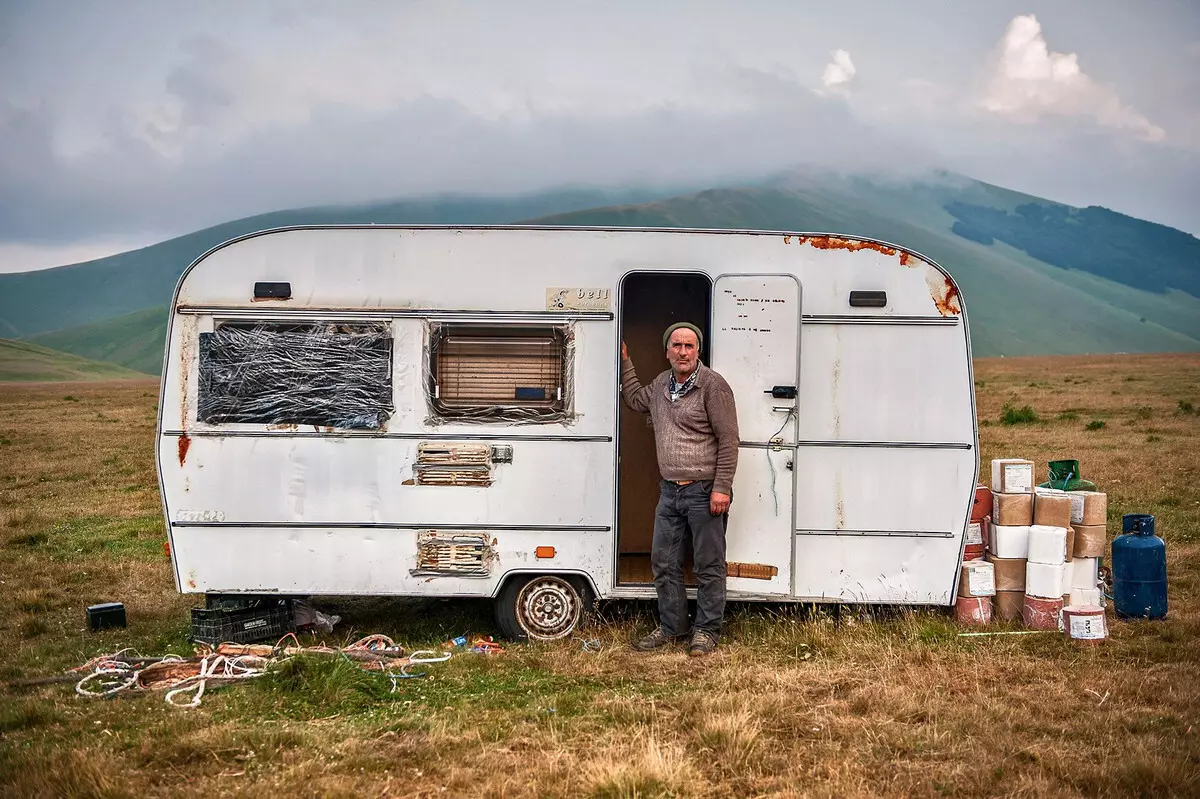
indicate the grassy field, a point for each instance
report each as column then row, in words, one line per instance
column 21, row 361
column 796, row 701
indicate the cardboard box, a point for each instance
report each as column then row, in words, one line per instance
column 1009, row 573
column 1052, row 510
column 1009, row 541
column 1048, row 544
column 1046, row 580
column 1012, row 509
column 1012, row 476
column 1087, row 596
column 1090, row 540
column 1006, row 605
column 1089, row 507
column 978, row 578
column 1085, row 572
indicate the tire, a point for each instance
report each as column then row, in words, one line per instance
column 542, row 607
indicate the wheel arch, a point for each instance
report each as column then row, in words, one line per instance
column 512, row 574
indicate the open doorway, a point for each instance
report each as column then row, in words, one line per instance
column 650, row 302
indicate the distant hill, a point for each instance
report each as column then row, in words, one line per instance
column 1017, row 304
column 133, row 340
column 21, row 361
column 1023, row 295
column 1093, row 239
column 69, row 296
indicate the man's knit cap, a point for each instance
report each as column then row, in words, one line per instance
column 688, row 326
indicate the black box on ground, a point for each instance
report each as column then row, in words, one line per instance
column 107, row 614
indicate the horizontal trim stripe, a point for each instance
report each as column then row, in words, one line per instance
column 887, row 444
column 861, row 444
column 366, row 434
column 857, row 319
column 881, row 533
column 271, row 312
column 533, row 528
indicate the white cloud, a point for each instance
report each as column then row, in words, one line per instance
column 1030, row 81
column 838, row 73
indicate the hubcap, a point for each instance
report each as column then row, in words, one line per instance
column 548, row 608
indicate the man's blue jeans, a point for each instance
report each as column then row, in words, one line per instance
column 680, row 509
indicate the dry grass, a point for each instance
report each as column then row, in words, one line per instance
column 795, row 702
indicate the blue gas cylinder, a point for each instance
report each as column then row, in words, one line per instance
column 1139, row 569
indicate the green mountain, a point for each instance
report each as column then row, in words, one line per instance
column 133, row 340
column 21, row 361
column 1017, row 304
column 1037, row 277
column 68, row 296
column 1093, row 239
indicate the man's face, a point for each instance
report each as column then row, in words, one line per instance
column 683, row 351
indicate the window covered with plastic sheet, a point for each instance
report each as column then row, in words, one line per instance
column 329, row 374
column 500, row 373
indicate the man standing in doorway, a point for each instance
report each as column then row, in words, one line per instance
column 696, row 437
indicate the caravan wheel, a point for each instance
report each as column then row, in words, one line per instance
column 544, row 608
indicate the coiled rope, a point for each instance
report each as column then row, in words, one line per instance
column 186, row 680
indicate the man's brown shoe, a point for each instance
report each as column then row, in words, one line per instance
column 703, row 643
column 655, row 640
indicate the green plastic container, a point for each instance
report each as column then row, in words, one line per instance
column 1064, row 475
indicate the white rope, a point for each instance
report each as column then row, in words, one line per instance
column 242, row 667
column 111, row 674
column 102, row 675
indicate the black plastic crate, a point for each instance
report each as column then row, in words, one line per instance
column 268, row 621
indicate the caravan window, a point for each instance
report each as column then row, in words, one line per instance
column 325, row 373
column 498, row 371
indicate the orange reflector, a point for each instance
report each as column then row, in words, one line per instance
column 544, row 552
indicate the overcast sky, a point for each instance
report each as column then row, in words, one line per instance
column 123, row 123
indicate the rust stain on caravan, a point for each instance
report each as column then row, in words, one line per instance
column 853, row 245
column 187, row 335
column 944, row 293
column 836, row 243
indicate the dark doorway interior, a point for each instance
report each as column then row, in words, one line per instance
column 650, row 302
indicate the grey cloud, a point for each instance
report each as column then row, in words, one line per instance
column 279, row 107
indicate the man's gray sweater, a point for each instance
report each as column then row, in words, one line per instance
column 697, row 435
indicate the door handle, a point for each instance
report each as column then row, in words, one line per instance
column 781, row 392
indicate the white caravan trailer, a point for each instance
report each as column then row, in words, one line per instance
column 421, row 411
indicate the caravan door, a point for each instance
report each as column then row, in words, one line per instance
column 756, row 348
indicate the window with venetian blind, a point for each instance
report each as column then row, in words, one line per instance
column 481, row 369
